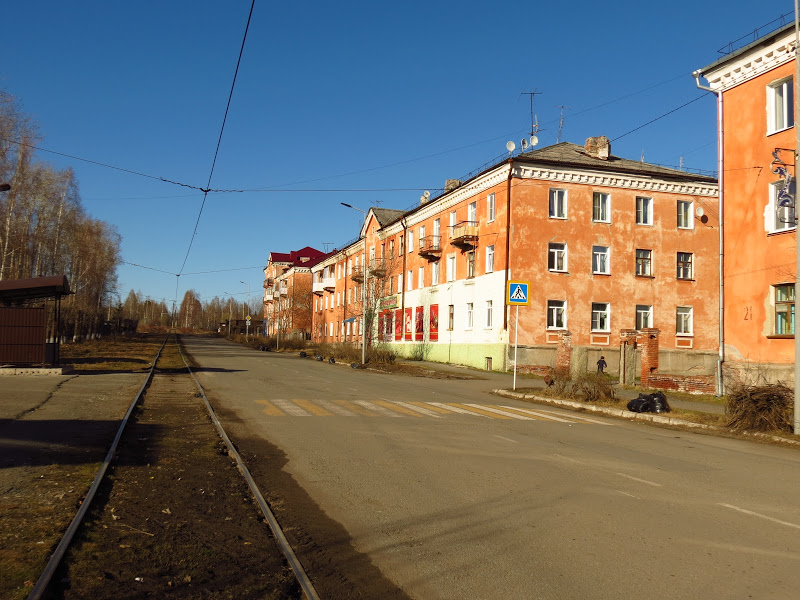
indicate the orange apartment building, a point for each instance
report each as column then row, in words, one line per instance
column 288, row 292
column 609, row 246
column 756, row 136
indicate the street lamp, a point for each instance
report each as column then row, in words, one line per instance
column 247, row 316
column 364, row 294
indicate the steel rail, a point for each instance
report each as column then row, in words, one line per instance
column 288, row 552
column 61, row 549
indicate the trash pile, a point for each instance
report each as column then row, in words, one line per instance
column 761, row 408
column 654, row 403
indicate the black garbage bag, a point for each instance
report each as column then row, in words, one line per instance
column 654, row 403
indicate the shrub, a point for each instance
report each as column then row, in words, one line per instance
column 761, row 408
column 593, row 387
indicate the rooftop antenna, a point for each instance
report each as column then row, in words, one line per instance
column 561, row 122
column 682, row 169
column 534, row 116
column 642, row 155
column 510, row 146
column 327, row 245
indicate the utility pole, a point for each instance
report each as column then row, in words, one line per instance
column 797, row 238
column 365, row 291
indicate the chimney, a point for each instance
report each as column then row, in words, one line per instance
column 598, row 147
column 451, row 184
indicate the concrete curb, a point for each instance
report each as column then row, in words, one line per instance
column 35, row 371
column 632, row 416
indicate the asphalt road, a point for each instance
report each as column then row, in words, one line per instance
column 452, row 500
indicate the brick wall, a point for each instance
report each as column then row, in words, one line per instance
column 681, row 383
column 648, row 343
column 564, row 351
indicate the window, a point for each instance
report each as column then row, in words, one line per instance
column 685, row 220
column 644, row 211
column 452, row 221
column 410, row 280
column 451, row 314
column 468, row 324
column 558, row 203
column 644, row 260
column 600, row 262
column 490, row 208
column 556, row 314
column 644, row 316
column 326, row 302
column 780, row 105
column 391, row 285
column 490, row 259
column 391, row 248
column 600, row 207
column 600, row 316
column 488, row 314
column 684, row 265
column 472, row 213
column 421, row 235
column 781, row 218
column 399, row 282
column 784, row 309
column 402, row 248
column 451, row 267
column 683, row 320
column 471, row 264
column 421, row 277
column 410, row 240
column 557, row 257
column 437, row 229
column 435, row 273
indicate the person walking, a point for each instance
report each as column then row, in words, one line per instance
column 601, row 365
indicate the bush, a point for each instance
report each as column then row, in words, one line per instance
column 761, row 408
column 593, row 387
column 350, row 353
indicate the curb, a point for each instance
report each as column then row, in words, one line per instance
column 632, row 416
column 9, row 371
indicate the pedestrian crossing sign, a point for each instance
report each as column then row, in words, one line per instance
column 517, row 293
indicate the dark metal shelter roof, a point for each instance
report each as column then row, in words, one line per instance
column 14, row 291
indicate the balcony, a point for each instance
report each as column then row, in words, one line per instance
column 465, row 234
column 318, row 288
column 377, row 267
column 268, row 282
column 282, row 290
column 430, row 247
column 329, row 284
column 358, row 274
column 269, row 296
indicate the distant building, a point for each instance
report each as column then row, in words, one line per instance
column 755, row 102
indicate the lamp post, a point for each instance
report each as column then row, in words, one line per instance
column 364, row 294
column 797, row 238
column 247, row 316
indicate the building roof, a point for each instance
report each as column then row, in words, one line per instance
column 566, row 154
column 305, row 257
column 384, row 216
column 36, row 288
column 762, row 41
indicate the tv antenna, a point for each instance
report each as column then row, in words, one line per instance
column 561, row 122
column 534, row 116
column 326, row 245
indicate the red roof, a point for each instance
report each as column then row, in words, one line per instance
column 305, row 257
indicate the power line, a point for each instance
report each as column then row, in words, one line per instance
column 658, row 118
column 219, row 140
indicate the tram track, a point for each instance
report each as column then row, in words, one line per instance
column 173, row 506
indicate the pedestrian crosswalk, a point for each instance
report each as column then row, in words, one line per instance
column 379, row 407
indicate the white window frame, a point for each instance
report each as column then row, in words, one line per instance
column 489, row 310
column 601, row 207
column 685, row 214
column 421, row 236
column 684, row 320
column 558, row 203
column 556, row 309
column 780, row 111
column 437, row 228
column 469, row 315
column 421, row 277
column 490, row 208
column 644, row 210
column 648, row 263
column 788, row 302
column 601, row 260
column 490, row 259
column 435, row 273
column 410, row 281
column 452, row 222
column 451, row 317
column 603, row 311
column 400, row 282
column 472, row 213
column 410, row 241
column 556, row 251
column 779, row 218
column 644, row 316
column 451, row 267
column 681, row 269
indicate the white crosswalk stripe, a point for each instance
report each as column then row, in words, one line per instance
column 501, row 412
column 377, row 408
column 291, row 408
column 536, row 413
column 419, row 409
column 579, row 418
column 334, row 408
column 456, row 409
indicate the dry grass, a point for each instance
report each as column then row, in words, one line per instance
column 761, row 408
column 122, row 354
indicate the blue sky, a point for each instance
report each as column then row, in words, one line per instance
column 351, row 95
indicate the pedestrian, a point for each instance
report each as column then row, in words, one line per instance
column 601, row 365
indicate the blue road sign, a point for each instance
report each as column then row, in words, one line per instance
column 517, row 293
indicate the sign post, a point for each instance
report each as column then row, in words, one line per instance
column 516, row 295
column 247, row 329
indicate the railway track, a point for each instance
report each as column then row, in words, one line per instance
column 173, row 506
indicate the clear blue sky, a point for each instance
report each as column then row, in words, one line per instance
column 347, row 95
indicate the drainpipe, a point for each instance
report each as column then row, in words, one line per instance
column 720, row 181
column 405, row 283
column 508, row 259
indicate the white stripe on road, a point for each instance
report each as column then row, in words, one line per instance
column 291, row 408
column 334, row 408
column 540, row 414
column 506, row 439
column 550, row 412
column 376, row 408
column 654, row 484
column 755, row 514
column 419, row 409
column 501, row 412
column 456, row 409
